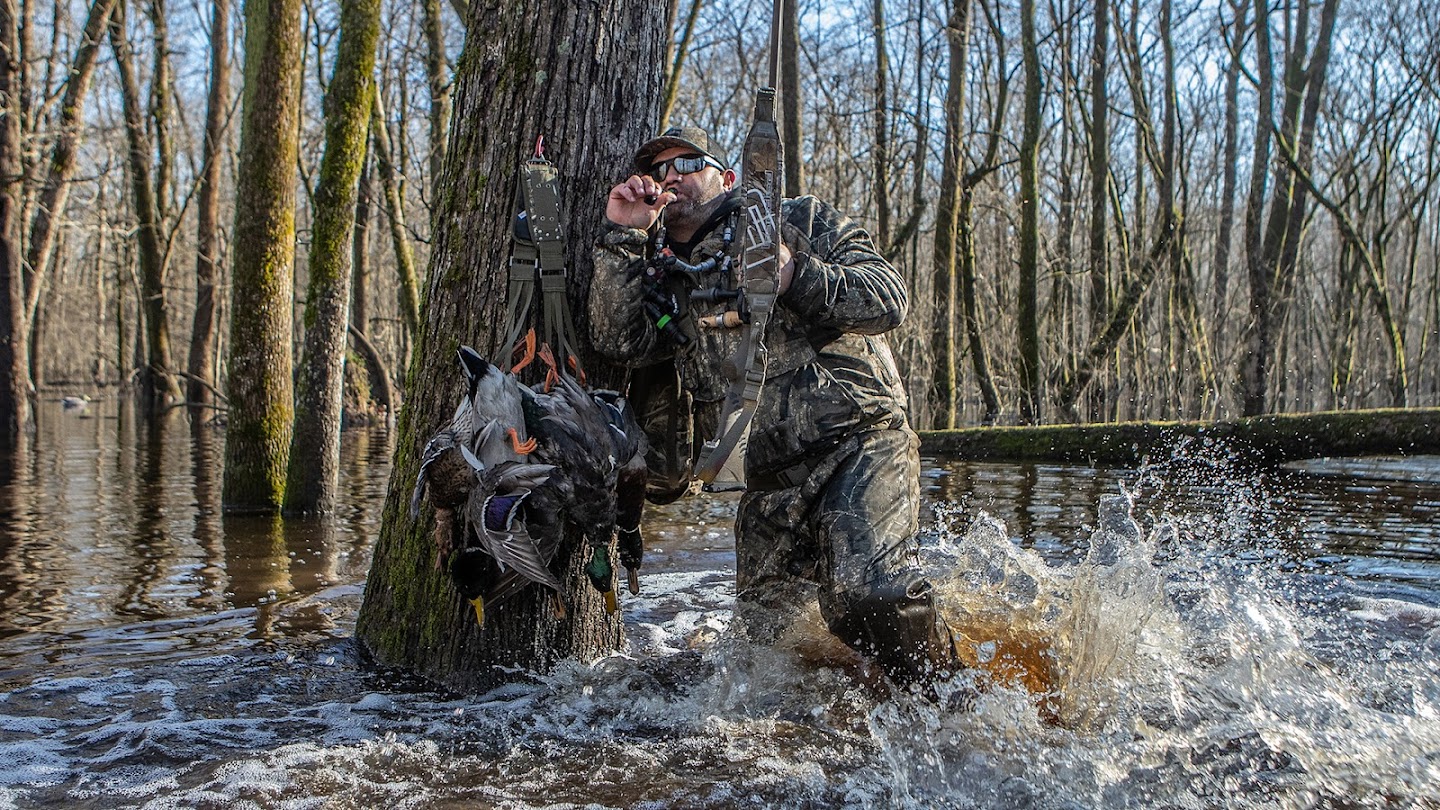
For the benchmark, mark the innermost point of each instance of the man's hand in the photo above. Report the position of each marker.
(787, 269)
(637, 202)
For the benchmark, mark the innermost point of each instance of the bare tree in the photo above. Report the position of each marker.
(437, 77)
(54, 193)
(880, 151)
(947, 207)
(201, 382)
(158, 386)
(1273, 253)
(395, 215)
(680, 49)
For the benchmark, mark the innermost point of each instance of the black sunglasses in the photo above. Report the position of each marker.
(683, 165)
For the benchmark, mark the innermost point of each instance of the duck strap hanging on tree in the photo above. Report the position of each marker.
(539, 250)
(722, 464)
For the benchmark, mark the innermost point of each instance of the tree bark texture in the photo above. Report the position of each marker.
(409, 287)
(437, 76)
(947, 205)
(584, 76)
(1273, 439)
(257, 436)
(14, 358)
(880, 152)
(159, 387)
(201, 361)
(1027, 311)
(791, 128)
(314, 466)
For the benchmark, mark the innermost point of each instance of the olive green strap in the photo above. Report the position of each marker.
(539, 250)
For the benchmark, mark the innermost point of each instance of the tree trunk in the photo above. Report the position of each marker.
(1254, 371)
(201, 364)
(257, 437)
(791, 128)
(880, 151)
(947, 208)
(578, 73)
(1099, 255)
(677, 64)
(314, 470)
(1027, 289)
(1273, 270)
(14, 365)
(360, 248)
(159, 388)
(1228, 162)
(395, 215)
(437, 70)
(160, 104)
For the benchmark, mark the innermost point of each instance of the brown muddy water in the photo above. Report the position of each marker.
(1203, 637)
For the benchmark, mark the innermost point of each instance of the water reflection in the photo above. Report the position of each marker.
(108, 520)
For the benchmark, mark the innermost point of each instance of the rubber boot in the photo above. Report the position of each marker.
(894, 623)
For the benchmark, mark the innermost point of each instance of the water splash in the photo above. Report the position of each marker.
(1157, 671)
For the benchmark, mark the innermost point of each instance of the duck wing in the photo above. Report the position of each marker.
(495, 511)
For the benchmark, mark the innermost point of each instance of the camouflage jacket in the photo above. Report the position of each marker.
(830, 373)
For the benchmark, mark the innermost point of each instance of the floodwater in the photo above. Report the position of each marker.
(1185, 635)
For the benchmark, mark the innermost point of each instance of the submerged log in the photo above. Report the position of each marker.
(1273, 439)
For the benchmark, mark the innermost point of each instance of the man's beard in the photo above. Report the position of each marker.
(693, 212)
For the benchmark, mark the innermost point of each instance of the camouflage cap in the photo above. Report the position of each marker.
(688, 137)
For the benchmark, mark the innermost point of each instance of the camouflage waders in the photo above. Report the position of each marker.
(832, 464)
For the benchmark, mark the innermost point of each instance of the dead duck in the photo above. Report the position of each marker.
(494, 396)
(596, 445)
(519, 534)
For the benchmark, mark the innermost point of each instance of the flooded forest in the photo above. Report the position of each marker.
(241, 243)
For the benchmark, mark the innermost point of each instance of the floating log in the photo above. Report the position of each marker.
(1273, 439)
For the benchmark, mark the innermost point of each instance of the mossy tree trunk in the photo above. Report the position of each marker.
(1264, 440)
(257, 437)
(586, 76)
(314, 469)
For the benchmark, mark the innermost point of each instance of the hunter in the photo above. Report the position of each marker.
(832, 466)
